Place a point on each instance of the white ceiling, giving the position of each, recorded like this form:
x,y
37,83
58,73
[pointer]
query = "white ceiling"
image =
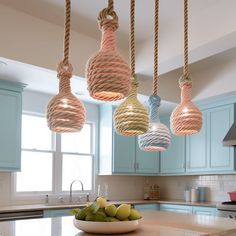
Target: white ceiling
x,y
84,14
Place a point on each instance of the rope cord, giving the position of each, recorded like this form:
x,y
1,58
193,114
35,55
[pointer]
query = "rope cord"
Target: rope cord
x,y
156,27
67,33
110,6
132,42
186,72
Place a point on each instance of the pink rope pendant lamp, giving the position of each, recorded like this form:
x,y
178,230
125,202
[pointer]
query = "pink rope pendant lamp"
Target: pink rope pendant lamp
x,y
65,113
131,117
107,73
186,118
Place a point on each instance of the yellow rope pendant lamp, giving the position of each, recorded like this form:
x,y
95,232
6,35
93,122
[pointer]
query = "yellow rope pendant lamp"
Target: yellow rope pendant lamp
x,y
157,137
186,118
131,117
65,113
107,73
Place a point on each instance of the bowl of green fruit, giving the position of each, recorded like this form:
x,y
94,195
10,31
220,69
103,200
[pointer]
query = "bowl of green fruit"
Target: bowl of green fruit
x,y
100,217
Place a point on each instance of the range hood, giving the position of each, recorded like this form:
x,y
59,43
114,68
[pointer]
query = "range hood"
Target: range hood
x,y
230,138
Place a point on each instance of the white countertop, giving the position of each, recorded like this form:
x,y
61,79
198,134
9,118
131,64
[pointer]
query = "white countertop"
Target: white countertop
x,y
33,207
155,223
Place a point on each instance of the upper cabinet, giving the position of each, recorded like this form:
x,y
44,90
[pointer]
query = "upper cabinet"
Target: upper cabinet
x,y
10,123
119,154
173,159
205,151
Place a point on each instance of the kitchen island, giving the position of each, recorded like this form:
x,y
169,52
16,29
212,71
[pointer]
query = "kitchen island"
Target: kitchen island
x,y
155,223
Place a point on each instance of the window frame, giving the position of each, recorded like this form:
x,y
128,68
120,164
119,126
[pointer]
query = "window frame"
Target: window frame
x,y
57,156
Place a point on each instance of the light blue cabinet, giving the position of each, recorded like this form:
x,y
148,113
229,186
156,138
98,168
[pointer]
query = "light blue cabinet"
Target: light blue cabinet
x,y
196,149
10,125
206,211
146,207
205,151
119,154
56,213
220,120
176,208
173,159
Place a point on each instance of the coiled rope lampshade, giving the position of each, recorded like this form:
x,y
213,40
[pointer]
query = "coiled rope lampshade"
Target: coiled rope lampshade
x,y
131,117
157,137
65,113
186,118
107,73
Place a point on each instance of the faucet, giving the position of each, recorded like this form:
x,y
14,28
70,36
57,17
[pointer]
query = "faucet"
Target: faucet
x,y
82,187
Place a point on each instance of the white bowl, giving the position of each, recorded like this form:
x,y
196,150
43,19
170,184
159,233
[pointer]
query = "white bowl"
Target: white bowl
x,y
107,227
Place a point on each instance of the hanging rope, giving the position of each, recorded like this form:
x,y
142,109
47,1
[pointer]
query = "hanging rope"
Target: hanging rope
x,y
156,26
186,73
132,40
67,33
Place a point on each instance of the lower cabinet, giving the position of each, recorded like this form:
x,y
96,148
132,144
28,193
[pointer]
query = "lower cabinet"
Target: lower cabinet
x,y
145,207
56,213
176,208
207,211
196,210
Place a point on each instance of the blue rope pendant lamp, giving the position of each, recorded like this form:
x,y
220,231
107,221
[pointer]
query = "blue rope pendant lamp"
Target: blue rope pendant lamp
x,y
157,137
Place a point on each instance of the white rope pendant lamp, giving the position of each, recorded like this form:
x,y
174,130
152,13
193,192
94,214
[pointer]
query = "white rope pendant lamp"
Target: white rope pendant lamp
x,y
131,117
157,137
65,113
186,119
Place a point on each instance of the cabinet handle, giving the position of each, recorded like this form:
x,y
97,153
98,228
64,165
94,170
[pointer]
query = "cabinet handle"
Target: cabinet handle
x,y
137,165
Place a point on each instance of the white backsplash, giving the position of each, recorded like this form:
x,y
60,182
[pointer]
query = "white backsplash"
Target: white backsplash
x,y
131,187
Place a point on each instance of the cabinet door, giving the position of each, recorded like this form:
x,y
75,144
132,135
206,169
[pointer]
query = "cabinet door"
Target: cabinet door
x,y
196,149
146,207
123,154
176,208
10,137
220,119
173,159
207,211
146,162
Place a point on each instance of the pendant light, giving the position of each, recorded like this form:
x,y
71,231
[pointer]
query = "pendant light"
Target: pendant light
x,y
65,113
186,118
158,136
107,73
131,117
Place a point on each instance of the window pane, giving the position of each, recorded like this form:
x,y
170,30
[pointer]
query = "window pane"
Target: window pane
x,y
77,167
33,227
77,142
35,133
36,172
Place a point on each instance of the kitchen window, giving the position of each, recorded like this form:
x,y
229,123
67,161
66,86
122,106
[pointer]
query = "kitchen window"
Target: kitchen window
x,y
50,161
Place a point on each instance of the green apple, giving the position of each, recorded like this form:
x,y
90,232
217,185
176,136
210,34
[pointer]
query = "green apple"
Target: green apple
x,y
123,211
134,215
111,210
102,202
90,217
100,216
111,219
80,215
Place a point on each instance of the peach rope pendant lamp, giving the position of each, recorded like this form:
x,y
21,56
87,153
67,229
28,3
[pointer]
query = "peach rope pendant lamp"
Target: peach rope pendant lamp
x,y
186,118
65,113
157,137
107,73
131,117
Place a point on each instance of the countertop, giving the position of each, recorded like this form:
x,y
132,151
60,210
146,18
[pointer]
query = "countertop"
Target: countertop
x,y
51,206
154,223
